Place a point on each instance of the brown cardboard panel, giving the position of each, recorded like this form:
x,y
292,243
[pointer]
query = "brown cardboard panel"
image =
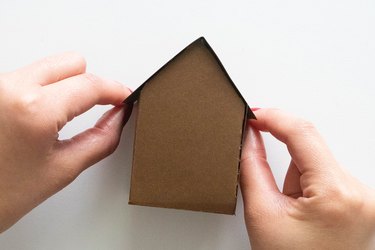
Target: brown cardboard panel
x,y
135,95
188,135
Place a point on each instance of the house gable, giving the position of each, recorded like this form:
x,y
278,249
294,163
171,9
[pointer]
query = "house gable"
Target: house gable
x,y
202,41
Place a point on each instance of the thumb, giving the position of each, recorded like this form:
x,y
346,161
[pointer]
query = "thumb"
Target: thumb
x,y
96,143
258,184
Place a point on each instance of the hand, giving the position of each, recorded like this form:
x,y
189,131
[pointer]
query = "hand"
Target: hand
x,y
321,206
35,103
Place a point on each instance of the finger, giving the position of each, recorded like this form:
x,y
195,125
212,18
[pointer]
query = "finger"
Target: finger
x,y
257,181
307,148
94,144
75,95
51,69
292,185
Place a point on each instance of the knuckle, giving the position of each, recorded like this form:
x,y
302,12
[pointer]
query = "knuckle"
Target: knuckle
x,y
78,59
92,80
304,126
111,146
49,62
110,150
340,204
27,103
108,141
90,77
351,198
68,175
32,115
95,83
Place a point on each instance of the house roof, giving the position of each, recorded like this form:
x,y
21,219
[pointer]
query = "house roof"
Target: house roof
x,y
135,95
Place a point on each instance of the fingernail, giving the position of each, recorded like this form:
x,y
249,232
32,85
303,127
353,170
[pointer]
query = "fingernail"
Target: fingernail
x,y
112,116
255,109
127,90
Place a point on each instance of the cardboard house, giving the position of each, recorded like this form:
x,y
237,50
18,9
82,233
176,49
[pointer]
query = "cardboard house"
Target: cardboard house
x,y
188,137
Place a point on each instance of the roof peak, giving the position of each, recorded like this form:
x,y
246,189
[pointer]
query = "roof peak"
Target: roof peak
x,y
135,95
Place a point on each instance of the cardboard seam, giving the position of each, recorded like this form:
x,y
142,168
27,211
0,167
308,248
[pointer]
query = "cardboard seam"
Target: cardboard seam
x,y
244,122
134,147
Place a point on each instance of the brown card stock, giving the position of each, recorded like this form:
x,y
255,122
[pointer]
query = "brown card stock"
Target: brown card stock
x,y
188,135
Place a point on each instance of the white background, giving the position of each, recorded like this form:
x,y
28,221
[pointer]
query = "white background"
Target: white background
x,y
312,58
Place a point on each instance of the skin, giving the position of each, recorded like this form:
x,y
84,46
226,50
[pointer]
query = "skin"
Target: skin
x,y
321,206
36,102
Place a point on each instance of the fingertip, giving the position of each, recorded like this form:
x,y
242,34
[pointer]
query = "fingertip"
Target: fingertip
x,y
255,109
117,115
111,117
109,129
269,118
253,143
109,91
131,91
122,91
128,91
255,123
255,173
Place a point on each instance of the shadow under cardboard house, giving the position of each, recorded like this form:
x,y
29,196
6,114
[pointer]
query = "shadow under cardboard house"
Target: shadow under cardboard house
x,y
188,136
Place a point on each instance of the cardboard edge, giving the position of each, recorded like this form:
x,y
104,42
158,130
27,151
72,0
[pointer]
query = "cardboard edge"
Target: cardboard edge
x,y
250,114
244,122
152,205
136,105
135,95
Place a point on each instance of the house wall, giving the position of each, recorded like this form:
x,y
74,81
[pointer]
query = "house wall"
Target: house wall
x,y
188,136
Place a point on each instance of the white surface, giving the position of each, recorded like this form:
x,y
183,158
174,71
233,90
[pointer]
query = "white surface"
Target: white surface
x,y
313,58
